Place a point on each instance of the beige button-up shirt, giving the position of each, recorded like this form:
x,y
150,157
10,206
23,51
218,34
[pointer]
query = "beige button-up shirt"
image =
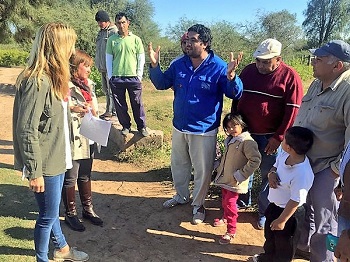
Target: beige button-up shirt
x,y
327,114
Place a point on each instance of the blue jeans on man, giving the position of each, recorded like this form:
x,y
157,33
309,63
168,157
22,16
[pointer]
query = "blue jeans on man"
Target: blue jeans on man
x,y
267,162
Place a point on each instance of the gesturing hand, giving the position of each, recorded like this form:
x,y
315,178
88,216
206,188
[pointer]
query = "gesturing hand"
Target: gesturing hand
x,y
233,64
153,55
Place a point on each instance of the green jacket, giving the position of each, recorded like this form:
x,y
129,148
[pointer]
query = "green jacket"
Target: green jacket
x,y
38,131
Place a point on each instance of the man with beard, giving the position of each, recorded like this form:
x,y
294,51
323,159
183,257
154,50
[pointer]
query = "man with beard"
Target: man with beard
x,y
200,79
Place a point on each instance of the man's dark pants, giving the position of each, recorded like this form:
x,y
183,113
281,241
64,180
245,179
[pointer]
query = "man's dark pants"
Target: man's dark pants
x,y
119,85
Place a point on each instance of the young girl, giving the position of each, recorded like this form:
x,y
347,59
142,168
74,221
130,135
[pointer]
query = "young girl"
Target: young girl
x,y
239,161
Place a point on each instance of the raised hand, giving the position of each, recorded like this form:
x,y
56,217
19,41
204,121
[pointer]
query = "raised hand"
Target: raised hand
x,y
153,55
233,64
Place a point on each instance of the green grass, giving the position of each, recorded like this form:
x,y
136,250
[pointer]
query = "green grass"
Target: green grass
x,y
17,217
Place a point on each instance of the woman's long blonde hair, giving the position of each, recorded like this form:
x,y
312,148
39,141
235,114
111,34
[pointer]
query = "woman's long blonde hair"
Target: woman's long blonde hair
x,y
53,46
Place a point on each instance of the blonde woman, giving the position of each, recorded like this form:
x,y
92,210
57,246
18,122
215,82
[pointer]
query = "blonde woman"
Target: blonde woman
x,y
82,98
41,134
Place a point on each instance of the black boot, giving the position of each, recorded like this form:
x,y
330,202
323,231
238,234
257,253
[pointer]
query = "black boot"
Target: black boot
x,y
70,215
86,201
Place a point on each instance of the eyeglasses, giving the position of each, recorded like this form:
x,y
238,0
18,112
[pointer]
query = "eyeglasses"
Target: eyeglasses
x,y
193,40
327,59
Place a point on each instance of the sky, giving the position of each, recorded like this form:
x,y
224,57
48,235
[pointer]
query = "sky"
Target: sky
x,y
234,11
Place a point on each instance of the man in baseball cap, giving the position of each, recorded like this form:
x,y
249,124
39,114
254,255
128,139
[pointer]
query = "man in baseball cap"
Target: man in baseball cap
x,y
337,48
268,48
325,110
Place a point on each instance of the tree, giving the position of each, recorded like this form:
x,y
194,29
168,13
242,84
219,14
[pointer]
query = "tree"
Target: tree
x,y
140,13
175,32
11,12
281,25
226,39
325,19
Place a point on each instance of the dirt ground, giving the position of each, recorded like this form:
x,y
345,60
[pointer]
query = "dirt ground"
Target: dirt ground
x,y
129,200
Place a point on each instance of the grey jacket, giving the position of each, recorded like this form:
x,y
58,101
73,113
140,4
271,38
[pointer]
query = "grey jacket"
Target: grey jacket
x,y
101,41
239,161
38,131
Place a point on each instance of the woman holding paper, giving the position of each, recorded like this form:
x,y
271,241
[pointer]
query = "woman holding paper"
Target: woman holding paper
x,y
82,99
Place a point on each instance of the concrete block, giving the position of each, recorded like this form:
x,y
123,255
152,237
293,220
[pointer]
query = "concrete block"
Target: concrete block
x,y
118,143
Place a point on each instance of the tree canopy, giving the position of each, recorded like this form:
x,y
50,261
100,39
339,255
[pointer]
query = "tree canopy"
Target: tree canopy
x,y
325,19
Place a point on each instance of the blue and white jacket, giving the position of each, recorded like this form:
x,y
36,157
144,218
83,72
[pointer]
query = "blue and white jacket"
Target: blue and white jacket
x,y
198,93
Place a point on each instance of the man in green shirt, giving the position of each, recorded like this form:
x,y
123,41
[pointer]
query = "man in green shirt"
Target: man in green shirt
x,y
125,58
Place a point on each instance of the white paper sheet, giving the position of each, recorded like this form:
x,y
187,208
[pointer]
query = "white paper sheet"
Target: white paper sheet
x,y
95,129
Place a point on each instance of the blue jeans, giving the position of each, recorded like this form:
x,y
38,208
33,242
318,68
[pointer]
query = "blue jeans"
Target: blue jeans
x,y
343,224
48,224
267,162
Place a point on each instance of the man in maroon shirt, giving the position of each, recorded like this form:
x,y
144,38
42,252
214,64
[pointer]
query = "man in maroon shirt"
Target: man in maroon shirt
x,y
270,102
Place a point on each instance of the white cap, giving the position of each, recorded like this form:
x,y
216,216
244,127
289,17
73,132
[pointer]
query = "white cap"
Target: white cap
x,y
268,48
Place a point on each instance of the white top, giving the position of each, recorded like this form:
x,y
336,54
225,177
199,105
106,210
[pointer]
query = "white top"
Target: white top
x,y
295,181
69,163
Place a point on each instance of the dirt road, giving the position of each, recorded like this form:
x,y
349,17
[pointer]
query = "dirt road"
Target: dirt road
x,y
136,227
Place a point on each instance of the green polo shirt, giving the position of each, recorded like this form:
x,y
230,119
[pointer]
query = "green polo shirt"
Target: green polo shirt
x,y
125,51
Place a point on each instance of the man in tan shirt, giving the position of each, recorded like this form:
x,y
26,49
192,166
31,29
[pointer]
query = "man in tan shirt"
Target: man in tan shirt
x,y
325,109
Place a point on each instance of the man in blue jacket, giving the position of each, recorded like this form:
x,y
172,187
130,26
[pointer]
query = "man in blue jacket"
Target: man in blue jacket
x,y
199,79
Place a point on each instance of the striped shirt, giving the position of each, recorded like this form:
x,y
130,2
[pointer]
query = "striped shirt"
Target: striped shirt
x,y
270,102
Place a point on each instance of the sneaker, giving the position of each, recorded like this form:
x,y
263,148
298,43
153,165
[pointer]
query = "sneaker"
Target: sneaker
x,y
143,131
226,239
219,222
125,131
256,258
261,222
170,203
73,255
199,217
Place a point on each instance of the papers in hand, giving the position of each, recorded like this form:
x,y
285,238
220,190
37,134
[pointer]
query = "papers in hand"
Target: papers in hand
x,y
95,129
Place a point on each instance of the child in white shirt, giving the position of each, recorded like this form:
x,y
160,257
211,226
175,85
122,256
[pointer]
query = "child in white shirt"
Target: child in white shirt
x,y
290,179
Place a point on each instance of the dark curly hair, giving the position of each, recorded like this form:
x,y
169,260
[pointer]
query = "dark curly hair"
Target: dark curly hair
x,y
204,34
